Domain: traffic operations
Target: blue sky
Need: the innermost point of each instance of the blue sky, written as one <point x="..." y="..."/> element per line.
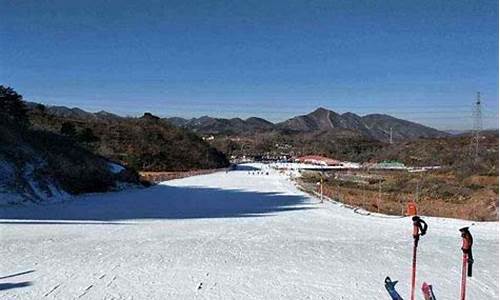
<point x="418" y="60"/>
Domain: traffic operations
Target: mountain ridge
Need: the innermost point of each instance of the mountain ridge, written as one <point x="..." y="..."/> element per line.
<point x="374" y="126"/>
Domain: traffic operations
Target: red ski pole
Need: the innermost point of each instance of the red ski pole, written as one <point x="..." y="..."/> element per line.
<point x="419" y="228"/>
<point x="414" y="268"/>
<point x="464" y="277"/>
<point x="467" y="259"/>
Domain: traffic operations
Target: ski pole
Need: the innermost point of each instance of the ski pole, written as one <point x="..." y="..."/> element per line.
<point x="414" y="268"/>
<point x="467" y="259"/>
<point x="464" y="277"/>
<point x="419" y="229"/>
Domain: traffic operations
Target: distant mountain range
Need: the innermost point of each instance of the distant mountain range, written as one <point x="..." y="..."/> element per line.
<point x="209" y="125"/>
<point x="75" y="112"/>
<point x="373" y="126"/>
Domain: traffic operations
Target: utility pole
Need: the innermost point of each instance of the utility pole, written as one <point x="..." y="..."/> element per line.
<point x="364" y="196"/>
<point x="379" y="194"/>
<point x="478" y="126"/>
<point x="416" y="192"/>
<point x="321" y="189"/>
<point x="320" y="184"/>
<point x="390" y="136"/>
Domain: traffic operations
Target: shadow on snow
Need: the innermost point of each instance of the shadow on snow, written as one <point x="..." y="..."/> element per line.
<point x="158" y="202"/>
<point x="8" y="286"/>
<point x="246" y="168"/>
<point x="15" y="285"/>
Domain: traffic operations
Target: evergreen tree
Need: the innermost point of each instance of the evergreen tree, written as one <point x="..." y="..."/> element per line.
<point x="13" y="111"/>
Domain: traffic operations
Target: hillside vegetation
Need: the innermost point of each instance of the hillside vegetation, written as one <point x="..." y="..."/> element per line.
<point x="465" y="187"/>
<point x="37" y="165"/>
<point x="341" y="144"/>
<point x="146" y="144"/>
<point x="438" y="193"/>
<point x="456" y="152"/>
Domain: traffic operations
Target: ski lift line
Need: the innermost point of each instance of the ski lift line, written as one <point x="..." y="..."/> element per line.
<point x="300" y="102"/>
<point x="246" y="113"/>
<point x="245" y="103"/>
<point x="245" y="107"/>
<point x="457" y="117"/>
<point x="302" y="106"/>
<point x="290" y="111"/>
<point x="278" y="111"/>
<point x="339" y="109"/>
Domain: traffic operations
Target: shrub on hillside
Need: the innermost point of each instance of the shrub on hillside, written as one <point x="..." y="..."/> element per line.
<point x="12" y="108"/>
<point x="46" y="156"/>
<point x="146" y="144"/>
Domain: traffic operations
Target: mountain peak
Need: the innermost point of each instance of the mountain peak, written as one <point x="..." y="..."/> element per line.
<point x="372" y="126"/>
<point x="320" y="110"/>
<point x="149" y="116"/>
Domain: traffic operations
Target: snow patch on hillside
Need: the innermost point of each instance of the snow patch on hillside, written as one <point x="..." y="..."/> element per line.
<point x="23" y="186"/>
<point x="115" y="168"/>
<point x="7" y="177"/>
<point x="29" y="184"/>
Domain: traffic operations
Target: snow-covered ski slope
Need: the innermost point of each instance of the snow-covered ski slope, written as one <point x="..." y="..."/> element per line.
<point x="229" y="236"/>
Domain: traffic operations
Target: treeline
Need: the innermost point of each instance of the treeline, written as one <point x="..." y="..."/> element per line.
<point x="455" y="152"/>
<point x="342" y="145"/>
<point x="144" y="144"/>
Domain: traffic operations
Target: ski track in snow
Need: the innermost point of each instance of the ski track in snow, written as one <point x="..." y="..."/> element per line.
<point x="229" y="236"/>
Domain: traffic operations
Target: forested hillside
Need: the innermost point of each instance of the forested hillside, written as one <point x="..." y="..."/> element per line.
<point x="146" y="144"/>
<point x="38" y="165"/>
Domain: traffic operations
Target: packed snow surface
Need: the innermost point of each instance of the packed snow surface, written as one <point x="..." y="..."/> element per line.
<point x="236" y="235"/>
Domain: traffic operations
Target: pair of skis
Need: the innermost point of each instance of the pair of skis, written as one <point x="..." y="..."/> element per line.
<point x="390" y="286"/>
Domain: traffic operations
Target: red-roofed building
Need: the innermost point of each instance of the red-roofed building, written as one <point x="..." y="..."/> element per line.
<point x="318" y="160"/>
